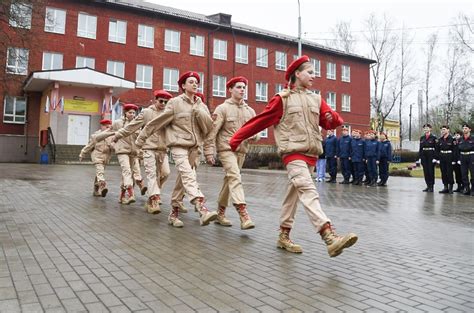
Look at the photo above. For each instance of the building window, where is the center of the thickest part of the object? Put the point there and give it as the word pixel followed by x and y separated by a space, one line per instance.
pixel 261 91
pixel 196 45
pixel 345 73
pixel 52 61
pixel 317 67
pixel 331 100
pixel 170 79
pixel 116 68
pixel 117 31
pixel 330 70
pixel 218 85
pixel 172 40
pixel 201 82
pixel 220 49
pixel 55 21
pixel 346 103
pixel 85 62
pixel 20 15
pixel 280 61
pixel 146 36
pixel 279 87
pixel 262 57
pixel 14 110
pixel 87 25
pixel 17 61
pixel 144 78
pixel 241 53
pixel 264 133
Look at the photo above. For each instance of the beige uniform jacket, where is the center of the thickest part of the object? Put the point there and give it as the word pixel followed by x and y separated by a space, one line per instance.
pixel 156 141
pixel 186 123
pixel 124 145
pixel 229 117
pixel 101 150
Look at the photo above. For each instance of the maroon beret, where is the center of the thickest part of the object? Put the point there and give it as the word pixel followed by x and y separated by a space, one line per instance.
pixel 235 80
pixel 186 75
pixel 162 94
pixel 130 106
pixel 105 122
pixel 294 66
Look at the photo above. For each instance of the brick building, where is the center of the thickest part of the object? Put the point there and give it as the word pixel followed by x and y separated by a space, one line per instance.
pixel 85 56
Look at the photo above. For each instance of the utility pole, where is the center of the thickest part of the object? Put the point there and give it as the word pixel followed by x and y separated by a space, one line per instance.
pixel 299 29
pixel 409 127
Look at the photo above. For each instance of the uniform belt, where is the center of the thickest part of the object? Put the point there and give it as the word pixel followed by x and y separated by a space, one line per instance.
pixel 468 152
pixel 446 151
pixel 428 148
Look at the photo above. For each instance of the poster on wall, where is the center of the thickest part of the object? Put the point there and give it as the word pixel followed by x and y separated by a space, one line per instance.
pixel 80 105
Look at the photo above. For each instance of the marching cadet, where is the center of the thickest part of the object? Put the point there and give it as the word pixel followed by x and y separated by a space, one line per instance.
pixel 427 156
pixel 128 157
pixel 357 156
pixel 296 114
pixel 155 157
pixel 100 156
pixel 466 155
pixel 230 116
pixel 187 121
pixel 457 165
pixel 385 159
pixel 344 154
pixel 372 156
pixel 446 151
pixel 331 156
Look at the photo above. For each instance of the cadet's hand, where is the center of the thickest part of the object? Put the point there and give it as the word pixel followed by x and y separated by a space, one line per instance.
pixel 453 163
pixel 210 159
pixel 328 116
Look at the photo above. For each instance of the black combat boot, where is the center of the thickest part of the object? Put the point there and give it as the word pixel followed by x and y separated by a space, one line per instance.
pixel 445 189
pixel 450 189
pixel 459 189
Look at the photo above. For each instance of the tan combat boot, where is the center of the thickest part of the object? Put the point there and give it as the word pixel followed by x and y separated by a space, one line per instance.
pixel 182 208
pixel 335 242
pixel 130 196
pixel 245 221
pixel 103 188
pixel 142 186
pixel 284 241
pixel 122 194
pixel 96 192
pixel 205 216
pixel 153 205
pixel 173 218
pixel 221 219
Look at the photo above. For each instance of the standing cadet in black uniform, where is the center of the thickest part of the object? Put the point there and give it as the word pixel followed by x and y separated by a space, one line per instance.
pixel 427 156
pixel 446 150
pixel 466 154
pixel 457 165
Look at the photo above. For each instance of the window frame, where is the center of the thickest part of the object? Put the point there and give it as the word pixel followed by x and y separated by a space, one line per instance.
pixel 219 56
pixel 333 107
pixel 170 46
pixel 173 81
pixel 53 54
pixel 244 49
pixel 263 56
pixel 264 133
pixel 329 74
pixel 345 73
pixel 115 63
pixel 146 42
pixel 52 28
pixel 14 115
pixel 281 60
pixel 195 50
pixel 85 60
pixel 258 96
pixel 221 82
pixel 17 61
pixel 88 33
pixel 345 107
pixel 140 72
pixel 317 70
pixel 19 16
pixel 115 37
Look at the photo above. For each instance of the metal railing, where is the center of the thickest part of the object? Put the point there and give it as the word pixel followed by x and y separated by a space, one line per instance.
pixel 52 145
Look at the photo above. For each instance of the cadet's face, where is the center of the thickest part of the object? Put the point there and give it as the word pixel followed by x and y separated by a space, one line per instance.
pixel 383 137
pixel 330 133
pixel 104 127
pixel 130 115
pixel 161 103
pixel 190 85
pixel 306 75
pixel 466 130
pixel 457 136
pixel 238 91
pixel 426 129
pixel 444 131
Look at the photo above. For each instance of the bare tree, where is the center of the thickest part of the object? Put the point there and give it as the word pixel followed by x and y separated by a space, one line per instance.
pixel 464 31
pixel 432 40
pixel 343 38
pixel 383 42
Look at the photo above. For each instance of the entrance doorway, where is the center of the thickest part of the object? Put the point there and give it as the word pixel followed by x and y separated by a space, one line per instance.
pixel 78 129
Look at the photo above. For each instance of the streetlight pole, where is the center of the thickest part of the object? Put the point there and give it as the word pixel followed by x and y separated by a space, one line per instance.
pixel 299 29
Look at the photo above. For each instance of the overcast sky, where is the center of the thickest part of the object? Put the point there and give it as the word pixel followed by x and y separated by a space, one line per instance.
pixel 421 17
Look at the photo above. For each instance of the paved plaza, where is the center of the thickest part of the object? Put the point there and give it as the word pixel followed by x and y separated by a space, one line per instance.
pixel 63 250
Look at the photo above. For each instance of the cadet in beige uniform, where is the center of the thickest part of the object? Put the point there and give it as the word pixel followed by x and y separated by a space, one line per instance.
pixel 100 156
pixel 187 122
pixel 228 117
pixel 155 158
pixel 128 156
pixel 296 114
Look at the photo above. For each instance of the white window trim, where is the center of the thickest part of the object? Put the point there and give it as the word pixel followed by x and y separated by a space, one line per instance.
pixel 61 29
pixel 115 37
pixel 335 100
pixel 264 133
pixel 346 107
pixel 262 60
pixel 14 115
pixel 259 97
pixel 86 33
pixel 279 87
pixel 217 54
pixel 199 50
pixel 173 83
pixel 280 61
pixel 172 47
pixel 345 69
pixel 329 75
pixel 85 59
pixel 143 84
pixel 221 81
pixel 53 54
pixel 317 70
pixel 25 20
pixel 201 82
pixel 146 42
pixel 239 48
pixel 115 63
pixel 17 61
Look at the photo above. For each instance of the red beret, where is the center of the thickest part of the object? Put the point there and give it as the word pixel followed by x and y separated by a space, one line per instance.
pixel 294 66
pixel 130 106
pixel 235 80
pixel 162 94
pixel 105 122
pixel 357 131
pixel 186 75
pixel 200 95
